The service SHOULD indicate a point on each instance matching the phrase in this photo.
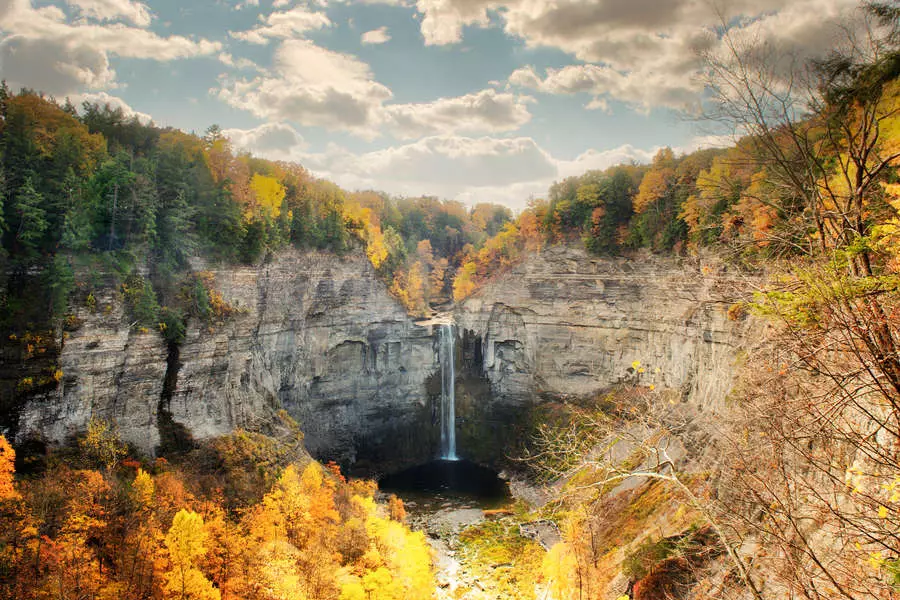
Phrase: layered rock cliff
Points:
(565, 323)
(319, 336)
(315, 334)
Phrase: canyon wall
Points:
(565, 323)
(315, 334)
(319, 336)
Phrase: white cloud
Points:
(110, 10)
(278, 141)
(643, 52)
(103, 98)
(441, 165)
(644, 90)
(592, 160)
(443, 20)
(484, 111)
(52, 66)
(313, 86)
(44, 52)
(376, 36)
(508, 171)
(372, 2)
(292, 23)
(227, 59)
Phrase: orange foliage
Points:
(657, 181)
(50, 126)
(7, 470)
(113, 535)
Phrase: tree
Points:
(633, 435)
(657, 182)
(7, 470)
(269, 194)
(102, 444)
(30, 220)
(816, 433)
(186, 545)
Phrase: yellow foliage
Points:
(143, 488)
(186, 538)
(269, 194)
(463, 284)
(353, 590)
(186, 544)
(560, 570)
(277, 575)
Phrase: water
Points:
(448, 480)
(448, 393)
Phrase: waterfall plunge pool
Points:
(448, 481)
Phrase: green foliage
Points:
(141, 300)
(59, 280)
(172, 324)
(639, 563)
(29, 220)
(498, 555)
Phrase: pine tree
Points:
(31, 220)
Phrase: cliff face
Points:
(317, 335)
(566, 323)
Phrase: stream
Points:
(442, 498)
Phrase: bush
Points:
(141, 300)
(171, 325)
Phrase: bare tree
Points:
(816, 435)
(635, 435)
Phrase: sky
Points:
(475, 100)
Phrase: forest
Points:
(808, 195)
(248, 516)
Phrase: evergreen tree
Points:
(30, 220)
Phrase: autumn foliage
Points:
(168, 532)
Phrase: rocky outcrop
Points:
(566, 323)
(315, 334)
(319, 336)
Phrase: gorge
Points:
(318, 336)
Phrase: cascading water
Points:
(448, 397)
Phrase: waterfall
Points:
(448, 394)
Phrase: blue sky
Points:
(479, 100)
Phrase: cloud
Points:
(442, 162)
(110, 10)
(278, 141)
(484, 111)
(470, 169)
(53, 66)
(283, 25)
(443, 20)
(376, 36)
(642, 52)
(102, 98)
(227, 59)
(312, 86)
(316, 87)
(645, 90)
(592, 160)
(464, 168)
(43, 51)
